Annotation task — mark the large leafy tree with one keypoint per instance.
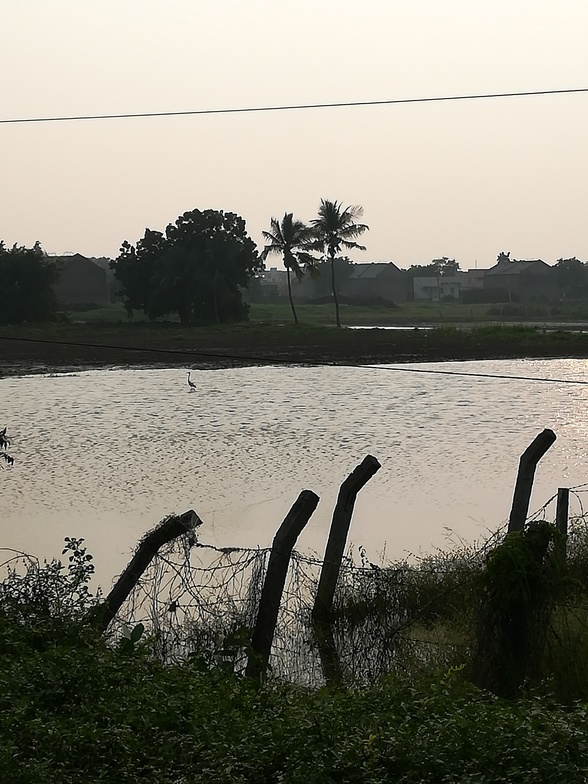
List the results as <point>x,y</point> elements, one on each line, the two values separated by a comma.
<point>27,280</point>
<point>196,269</point>
<point>337,227</point>
<point>290,239</point>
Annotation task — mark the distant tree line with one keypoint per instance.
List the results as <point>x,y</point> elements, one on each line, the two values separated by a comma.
<point>437,268</point>
<point>200,265</point>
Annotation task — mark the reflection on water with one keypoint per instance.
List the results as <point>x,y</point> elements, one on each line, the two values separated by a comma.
<point>106,454</point>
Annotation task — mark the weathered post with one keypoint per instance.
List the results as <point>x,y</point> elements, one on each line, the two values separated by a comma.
<point>275,579</point>
<point>561,521</point>
<point>526,474</point>
<point>166,531</point>
<point>561,512</point>
<point>321,612</point>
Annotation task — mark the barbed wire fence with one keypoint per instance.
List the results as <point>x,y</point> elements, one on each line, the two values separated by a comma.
<point>199,601</point>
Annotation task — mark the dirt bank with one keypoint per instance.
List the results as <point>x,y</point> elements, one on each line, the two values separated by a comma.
<point>60,348</point>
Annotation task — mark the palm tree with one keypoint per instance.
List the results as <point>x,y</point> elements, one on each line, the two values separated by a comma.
<point>290,238</point>
<point>335,228</point>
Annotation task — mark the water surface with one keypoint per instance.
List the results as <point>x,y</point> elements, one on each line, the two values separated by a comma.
<point>106,454</point>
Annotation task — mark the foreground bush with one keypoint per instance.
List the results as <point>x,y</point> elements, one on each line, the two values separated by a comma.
<point>79,711</point>
<point>78,707</point>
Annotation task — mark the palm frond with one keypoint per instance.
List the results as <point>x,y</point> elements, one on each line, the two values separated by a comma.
<point>336,226</point>
<point>287,237</point>
<point>349,245</point>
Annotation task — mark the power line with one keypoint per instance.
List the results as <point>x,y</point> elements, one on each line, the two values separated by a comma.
<point>209,355</point>
<point>294,107</point>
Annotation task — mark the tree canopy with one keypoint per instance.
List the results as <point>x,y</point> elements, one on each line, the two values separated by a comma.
<point>196,269</point>
<point>27,279</point>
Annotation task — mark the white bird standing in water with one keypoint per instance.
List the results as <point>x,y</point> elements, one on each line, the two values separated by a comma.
<point>191,384</point>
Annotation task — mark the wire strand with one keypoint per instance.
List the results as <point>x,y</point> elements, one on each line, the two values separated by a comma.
<point>293,107</point>
<point>214,356</point>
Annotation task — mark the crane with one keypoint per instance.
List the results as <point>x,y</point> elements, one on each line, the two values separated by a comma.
<point>191,384</point>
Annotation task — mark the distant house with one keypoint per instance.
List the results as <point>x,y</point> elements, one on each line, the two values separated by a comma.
<point>82,282</point>
<point>376,280</point>
<point>272,283</point>
<point>475,279</point>
<point>522,281</point>
<point>436,288</point>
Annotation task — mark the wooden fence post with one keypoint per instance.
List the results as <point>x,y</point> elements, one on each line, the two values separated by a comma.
<point>526,474</point>
<point>275,579</point>
<point>166,531</point>
<point>321,612</point>
<point>561,514</point>
<point>561,520</point>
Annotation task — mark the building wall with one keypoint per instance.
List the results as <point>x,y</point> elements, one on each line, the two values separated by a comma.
<point>435,288</point>
<point>391,289</point>
<point>82,282</point>
<point>475,278</point>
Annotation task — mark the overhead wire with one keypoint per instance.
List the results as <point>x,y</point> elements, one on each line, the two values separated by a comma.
<point>293,107</point>
<point>257,359</point>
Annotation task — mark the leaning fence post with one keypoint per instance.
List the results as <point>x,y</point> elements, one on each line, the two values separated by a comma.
<point>166,531</point>
<point>526,474</point>
<point>275,579</point>
<point>321,611</point>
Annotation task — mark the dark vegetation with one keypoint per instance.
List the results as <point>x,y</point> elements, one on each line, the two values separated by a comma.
<point>27,277</point>
<point>25,348</point>
<point>195,269</point>
<point>76,706</point>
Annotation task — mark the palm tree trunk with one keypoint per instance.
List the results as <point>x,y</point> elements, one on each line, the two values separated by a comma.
<point>334,287</point>
<point>290,297</point>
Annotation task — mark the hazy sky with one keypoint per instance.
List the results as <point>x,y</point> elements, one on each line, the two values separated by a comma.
<point>461,179</point>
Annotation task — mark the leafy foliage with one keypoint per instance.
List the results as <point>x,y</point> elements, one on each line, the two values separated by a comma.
<point>75,708</point>
<point>438,267</point>
<point>89,713</point>
<point>195,269</point>
<point>520,586</point>
<point>27,278</point>
<point>52,591</point>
